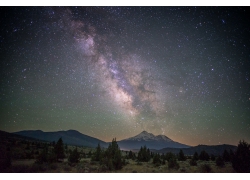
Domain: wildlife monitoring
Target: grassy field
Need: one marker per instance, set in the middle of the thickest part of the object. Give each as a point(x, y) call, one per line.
point(88, 166)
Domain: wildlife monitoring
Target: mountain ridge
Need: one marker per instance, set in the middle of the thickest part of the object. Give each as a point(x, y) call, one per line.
point(158, 143)
point(71, 137)
point(150, 140)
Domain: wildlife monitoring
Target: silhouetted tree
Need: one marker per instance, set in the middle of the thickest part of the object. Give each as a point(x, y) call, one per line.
point(170, 155)
point(231, 153)
point(241, 159)
point(43, 156)
point(204, 156)
point(226, 156)
point(97, 155)
point(5, 159)
point(83, 154)
point(212, 157)
point(112, 157)
point(157, 160)
point(131, 155)
point(90, 153)
point(144, 154)
point(181, 156)
point(53, 143)
point(162, 156)
point(151, 154)
point(59, 149)
point(196, 156)
point(74, 156)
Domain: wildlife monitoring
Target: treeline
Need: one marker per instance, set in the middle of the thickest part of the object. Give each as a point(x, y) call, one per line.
point(112, 158)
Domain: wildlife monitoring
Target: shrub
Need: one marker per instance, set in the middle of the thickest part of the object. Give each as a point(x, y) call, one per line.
point(38, 168)
point(66, 167)
point(20, 169)
point(172, 163)
point(53, 166)
point(163, 162)
point(169, 155)
point(139, 163)
point(205, 168)
point(219, 161)
point(193, 162)
point(43, 156)
point(183, 170)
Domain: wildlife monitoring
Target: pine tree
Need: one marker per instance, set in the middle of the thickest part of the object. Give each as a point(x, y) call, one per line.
point(231, 153)
point(144, 154)
point(169, 156)
point(241, 159)
point(196, 156)
point(74, 156)
point(181, 156)
point(112, 157)
point(226, 156)
point(59, 149)
point(131, 155)
point(204, 156)
point(90, 153)
point(97, 156)
point(5, 159)
point(157, 160)
point(212, 157)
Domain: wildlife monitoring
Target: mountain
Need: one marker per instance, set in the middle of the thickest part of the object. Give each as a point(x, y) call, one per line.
point(211, 149)
point(70, 137)
point(150, 140)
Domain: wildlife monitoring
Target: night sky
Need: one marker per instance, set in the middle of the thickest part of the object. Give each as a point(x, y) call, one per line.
point(115, 71)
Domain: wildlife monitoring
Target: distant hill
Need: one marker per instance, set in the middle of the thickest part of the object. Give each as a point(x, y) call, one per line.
point(213, 149)
point(150, 140)
point(70, 137)
point(6, 135)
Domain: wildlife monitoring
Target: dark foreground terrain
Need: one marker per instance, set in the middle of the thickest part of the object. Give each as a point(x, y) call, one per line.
point(26, 155)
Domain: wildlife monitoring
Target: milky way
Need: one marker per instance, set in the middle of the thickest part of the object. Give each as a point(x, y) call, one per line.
point(115, 71)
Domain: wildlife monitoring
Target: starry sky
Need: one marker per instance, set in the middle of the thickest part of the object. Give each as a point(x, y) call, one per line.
point(107, 72)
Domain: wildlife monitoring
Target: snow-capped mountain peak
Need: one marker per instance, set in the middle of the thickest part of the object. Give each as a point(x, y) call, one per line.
point(145, 136)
